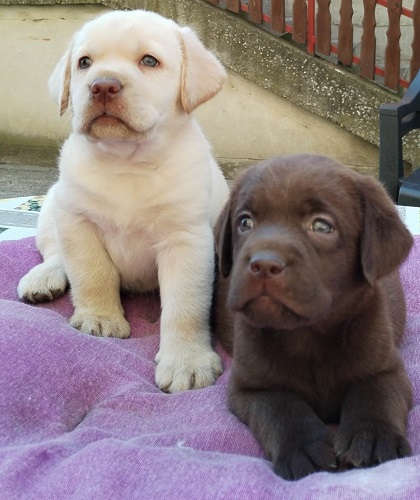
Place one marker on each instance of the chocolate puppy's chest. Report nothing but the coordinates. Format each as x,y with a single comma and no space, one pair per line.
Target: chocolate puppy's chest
321,383
322,376
326,391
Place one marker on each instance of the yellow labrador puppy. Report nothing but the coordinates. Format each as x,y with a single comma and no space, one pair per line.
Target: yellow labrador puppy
139,190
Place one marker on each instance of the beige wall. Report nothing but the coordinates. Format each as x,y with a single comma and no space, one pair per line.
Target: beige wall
244,122
32,40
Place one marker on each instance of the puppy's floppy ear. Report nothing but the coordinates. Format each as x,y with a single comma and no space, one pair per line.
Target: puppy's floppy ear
59,81
202,73
385,240
223,240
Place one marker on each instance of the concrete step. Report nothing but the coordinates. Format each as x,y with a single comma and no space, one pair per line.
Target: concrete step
25,170
25,180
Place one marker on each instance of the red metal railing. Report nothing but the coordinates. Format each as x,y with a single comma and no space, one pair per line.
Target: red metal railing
310,25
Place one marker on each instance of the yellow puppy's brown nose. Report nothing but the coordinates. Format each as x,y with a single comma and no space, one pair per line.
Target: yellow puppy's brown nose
105,89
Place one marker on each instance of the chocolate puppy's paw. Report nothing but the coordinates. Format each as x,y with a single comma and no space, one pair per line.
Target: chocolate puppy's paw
369,442
310,451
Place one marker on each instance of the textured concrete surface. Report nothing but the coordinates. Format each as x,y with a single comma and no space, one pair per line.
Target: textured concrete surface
26,170
246,123
25,180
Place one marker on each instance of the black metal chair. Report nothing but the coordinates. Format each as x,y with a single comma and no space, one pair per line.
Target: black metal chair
395,121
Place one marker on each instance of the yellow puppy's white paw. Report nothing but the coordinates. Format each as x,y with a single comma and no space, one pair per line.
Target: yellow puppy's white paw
187,367
42,283
101,326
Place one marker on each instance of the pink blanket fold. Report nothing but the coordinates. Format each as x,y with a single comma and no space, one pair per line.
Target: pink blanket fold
80,416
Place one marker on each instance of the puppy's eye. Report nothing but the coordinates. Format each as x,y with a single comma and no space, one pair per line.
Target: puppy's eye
149,61
245,223
321,226
85,62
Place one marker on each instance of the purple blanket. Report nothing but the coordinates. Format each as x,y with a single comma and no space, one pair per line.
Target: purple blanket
80,416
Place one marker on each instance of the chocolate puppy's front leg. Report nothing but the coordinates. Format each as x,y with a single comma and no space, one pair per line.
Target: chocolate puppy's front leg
293,437
373,420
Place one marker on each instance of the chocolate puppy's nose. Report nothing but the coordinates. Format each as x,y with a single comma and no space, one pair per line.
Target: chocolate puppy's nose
105,89
266,265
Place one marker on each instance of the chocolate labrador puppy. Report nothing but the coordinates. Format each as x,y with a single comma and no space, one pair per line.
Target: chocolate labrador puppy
308,257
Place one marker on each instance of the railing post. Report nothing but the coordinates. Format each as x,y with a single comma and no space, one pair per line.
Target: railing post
300,21
255,11
323,27
278,20
311,27
392,49
345,34
233,5
368,41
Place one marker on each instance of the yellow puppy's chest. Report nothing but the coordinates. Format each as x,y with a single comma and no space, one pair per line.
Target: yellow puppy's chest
135,258
130,240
